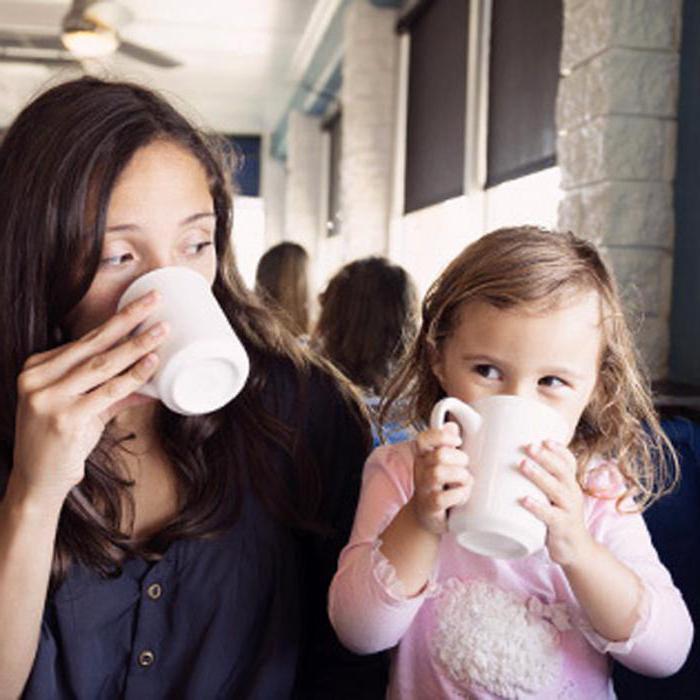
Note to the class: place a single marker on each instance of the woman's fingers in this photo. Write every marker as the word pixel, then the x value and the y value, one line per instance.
pixel 105 366
pixel 45 368
pixel 103 400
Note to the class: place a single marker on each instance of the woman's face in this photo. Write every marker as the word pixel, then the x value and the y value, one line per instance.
pixel 160 213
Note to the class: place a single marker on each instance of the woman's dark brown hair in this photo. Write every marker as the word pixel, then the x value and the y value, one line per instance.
pixel 281 280
pixel 58 164
pixel 538 270
pixel 369 316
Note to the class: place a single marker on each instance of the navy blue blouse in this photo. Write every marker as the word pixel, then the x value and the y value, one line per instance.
pixel 242 615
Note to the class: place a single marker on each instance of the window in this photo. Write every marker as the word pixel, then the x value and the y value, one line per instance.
pixel 247 175
pixel 334 128
pixel 435 128
pixel 523 80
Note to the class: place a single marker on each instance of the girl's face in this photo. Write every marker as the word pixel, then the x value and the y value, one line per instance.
pixel 160 213
pixel 552 357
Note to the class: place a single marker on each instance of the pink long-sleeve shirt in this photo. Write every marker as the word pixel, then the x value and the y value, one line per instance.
pixel 489 628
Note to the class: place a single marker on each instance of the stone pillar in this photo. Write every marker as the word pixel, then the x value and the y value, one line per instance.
pixel 304 169
pixel 616 115
pixel 370 67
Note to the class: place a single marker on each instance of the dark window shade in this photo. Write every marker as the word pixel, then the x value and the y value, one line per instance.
pixel 436 104
pixel 523 80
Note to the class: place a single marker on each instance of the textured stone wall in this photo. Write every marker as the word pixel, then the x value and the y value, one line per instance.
pixel 616 113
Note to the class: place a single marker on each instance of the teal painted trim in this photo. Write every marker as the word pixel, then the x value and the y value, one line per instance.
pixel 325 53
pixel 329 91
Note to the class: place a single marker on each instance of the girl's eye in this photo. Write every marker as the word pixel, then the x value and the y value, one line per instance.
pixel 551 382
pixel 117 260
pixel 197 248
pixel 488 371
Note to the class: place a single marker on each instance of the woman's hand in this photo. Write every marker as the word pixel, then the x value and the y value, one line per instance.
pixel 67 395
pixel 552 468
pixel 441 477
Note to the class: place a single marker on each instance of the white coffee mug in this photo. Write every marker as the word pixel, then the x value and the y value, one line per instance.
pixel 495 431
pixel 203 364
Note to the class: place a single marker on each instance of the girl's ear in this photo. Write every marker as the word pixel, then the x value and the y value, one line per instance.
pixel 437 366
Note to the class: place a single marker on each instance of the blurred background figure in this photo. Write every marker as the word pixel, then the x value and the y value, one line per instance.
pixel 281 280
pixel 368 319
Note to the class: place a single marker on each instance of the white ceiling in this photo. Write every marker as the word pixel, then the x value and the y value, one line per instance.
pixel 240 58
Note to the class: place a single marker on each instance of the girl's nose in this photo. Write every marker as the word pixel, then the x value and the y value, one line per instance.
pixel 524 390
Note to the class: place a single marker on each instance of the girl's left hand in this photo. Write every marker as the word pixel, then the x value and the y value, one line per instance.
pixel 552 468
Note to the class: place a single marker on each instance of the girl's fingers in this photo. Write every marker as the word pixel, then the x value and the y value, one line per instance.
pixel 445 475
pixel 450 498
pixel 431 438
pixel 105 398
pixel 550 486
pixel 107 365
pixel 542 511
pixel 555 459
pixel 46 368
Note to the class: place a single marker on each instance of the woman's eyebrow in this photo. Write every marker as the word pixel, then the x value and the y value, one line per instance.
pixel 185 222
pixel 197 217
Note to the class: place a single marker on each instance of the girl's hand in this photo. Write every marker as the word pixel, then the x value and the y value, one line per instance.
pixel 441 477
pixel 552 468
pixel 67 395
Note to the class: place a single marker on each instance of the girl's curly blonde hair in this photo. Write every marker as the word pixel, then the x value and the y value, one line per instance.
pixel 540 269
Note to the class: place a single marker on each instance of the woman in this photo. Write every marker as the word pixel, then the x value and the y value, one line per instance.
pixel 282 281
pixel 369 317
pixel 142 553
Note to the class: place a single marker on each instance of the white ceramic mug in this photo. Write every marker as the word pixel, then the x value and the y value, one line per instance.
pixel 203 364
pixel 495 431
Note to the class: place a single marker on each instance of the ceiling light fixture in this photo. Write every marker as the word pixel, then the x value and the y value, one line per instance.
pixel 95 42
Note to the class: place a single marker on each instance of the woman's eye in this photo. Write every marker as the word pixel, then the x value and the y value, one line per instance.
pixel 197 248
pixel 552 382
pixel 117 260
pixel 488 371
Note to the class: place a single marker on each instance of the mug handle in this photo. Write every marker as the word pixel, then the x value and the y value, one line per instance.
pixel 469 420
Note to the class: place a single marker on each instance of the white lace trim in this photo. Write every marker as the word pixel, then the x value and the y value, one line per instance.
pixel 385 574
pixel 489 636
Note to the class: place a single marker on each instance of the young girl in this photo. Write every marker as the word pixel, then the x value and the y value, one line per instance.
pixel 145 554
pixel 535 314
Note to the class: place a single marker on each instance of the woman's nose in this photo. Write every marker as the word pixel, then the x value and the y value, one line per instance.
pixel 157 260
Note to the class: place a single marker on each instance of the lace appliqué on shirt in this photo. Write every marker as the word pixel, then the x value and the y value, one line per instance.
pixel 489 636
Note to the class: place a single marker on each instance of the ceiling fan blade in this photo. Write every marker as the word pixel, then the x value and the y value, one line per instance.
pixel 150 56
pixel 25 41
pixel 53 61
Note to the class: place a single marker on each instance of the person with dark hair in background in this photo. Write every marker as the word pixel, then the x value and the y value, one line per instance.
pixel 281 280
pixel 369 316
pixel 145 553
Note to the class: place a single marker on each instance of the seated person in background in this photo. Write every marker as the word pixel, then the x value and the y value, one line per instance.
pixel 281 281
pixel 674 524
pixel 369 317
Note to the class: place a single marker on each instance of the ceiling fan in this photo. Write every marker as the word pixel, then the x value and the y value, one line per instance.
pixel 90 29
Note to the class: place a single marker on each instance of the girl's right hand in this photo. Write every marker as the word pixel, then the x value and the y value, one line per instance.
pixel 441 477
pixel 66 397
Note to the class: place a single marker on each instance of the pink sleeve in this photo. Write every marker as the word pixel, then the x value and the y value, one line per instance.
pixel 366 604
pixel 661 639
